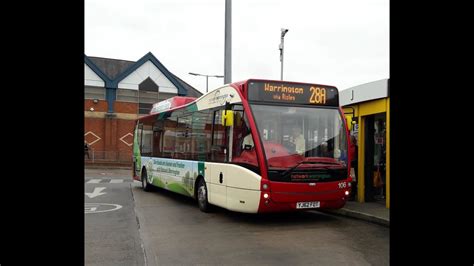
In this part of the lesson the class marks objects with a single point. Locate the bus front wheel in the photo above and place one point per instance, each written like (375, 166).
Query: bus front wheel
(145, 185)
(202, 196)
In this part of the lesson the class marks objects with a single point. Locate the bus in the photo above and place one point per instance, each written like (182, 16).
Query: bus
(253, 146)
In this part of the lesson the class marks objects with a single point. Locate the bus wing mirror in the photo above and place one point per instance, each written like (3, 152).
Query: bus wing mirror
(349, 122)
(227, 118)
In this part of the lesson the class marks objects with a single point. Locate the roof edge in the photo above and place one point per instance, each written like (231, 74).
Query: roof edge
(97, 70)
(150, 57)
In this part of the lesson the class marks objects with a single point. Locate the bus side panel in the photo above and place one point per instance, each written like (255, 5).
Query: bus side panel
(152, 176)
(243, 200)
(240, 177)
(243, 189)
(174, 175)
(234, 187)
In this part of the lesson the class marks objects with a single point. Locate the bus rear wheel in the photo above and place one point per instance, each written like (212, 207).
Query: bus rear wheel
(145, 185)
(202, 196)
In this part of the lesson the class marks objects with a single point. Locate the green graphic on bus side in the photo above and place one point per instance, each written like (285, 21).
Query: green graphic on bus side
(175, 187)
(201, 169)
(191, 108)
(175, 175)
(157, 182)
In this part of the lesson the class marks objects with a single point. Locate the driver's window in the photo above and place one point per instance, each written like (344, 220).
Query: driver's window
(243, 146)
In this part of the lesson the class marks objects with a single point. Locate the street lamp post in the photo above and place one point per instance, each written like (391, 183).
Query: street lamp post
(228, 43)
(207, 78)
(283, 32)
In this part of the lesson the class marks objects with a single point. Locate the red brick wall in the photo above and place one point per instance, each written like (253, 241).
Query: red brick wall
(110, 132)
(96, 126)
(127, 108)
(123, 128)
(115, 134)
(101, 106)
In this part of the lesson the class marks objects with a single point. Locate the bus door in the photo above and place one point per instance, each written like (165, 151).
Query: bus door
(218, 161)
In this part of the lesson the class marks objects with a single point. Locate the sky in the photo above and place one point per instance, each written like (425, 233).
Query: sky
(343, 43)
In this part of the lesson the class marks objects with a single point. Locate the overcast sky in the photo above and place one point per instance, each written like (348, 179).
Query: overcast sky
(338, 42)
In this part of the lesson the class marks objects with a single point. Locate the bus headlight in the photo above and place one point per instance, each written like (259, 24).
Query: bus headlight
(266, 195)
(265, 186)
(347, 193)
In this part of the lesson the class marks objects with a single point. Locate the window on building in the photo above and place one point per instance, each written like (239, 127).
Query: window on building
(147, 95)
(94, 93)
(126, 95)
(164, 96)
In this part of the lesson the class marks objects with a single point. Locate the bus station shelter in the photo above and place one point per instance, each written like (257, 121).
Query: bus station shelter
(367, 108)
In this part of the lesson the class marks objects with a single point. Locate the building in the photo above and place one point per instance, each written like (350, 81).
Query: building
(368, 105)
(116, 93)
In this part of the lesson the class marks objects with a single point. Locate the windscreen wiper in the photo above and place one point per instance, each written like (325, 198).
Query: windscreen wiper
(293, 168)
(284, 174)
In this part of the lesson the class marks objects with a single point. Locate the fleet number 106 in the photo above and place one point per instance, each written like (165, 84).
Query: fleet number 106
(318, 95)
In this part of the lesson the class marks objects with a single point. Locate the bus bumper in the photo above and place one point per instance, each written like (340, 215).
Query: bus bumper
(287, 196)
(272, 206)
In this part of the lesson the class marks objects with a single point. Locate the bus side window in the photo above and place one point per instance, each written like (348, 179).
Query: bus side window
(169, 134)
(201, 128)
(139, 135)
(183, 138)
(157, 138)
(147, 140)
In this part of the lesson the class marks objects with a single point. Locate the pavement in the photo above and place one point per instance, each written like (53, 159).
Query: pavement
(373, 212)
(111, 228)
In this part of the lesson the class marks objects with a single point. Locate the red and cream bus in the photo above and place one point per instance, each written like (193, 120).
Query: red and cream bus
(252, 146)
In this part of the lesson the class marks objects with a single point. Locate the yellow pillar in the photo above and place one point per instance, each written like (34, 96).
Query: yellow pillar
(387, 156)
(361, 161)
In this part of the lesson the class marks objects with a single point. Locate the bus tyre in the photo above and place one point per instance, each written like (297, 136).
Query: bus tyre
(202, 196)
(145, 185)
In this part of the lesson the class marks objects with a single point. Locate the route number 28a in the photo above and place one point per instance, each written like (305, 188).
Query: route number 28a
(318, 95)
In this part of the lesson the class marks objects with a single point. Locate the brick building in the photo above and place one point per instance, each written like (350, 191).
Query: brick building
(116, 93)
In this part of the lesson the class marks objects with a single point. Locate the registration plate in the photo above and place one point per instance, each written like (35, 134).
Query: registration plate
(306, 205)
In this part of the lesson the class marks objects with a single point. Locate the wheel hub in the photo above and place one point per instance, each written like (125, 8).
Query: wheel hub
(202, 194)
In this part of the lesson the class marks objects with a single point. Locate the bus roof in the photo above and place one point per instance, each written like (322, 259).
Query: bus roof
(171, 103)
(178, 102)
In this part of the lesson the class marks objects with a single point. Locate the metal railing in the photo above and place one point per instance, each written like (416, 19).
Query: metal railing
(101, 156)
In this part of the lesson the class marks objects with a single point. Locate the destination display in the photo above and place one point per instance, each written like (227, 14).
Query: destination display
(281, 92)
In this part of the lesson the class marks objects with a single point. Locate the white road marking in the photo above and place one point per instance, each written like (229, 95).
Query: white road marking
(100, 207)
(96, 192)
(93, 181)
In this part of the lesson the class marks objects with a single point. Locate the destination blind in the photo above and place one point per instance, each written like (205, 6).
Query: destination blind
(292, 93)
